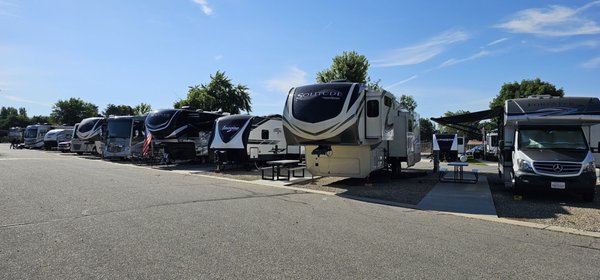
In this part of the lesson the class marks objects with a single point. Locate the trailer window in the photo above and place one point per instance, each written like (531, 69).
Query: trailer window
(373, 108)
(387, 101)
(264, 134)
(460, 140)
(410, 125)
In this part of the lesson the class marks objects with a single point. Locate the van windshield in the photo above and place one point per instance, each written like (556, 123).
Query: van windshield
(552, 138)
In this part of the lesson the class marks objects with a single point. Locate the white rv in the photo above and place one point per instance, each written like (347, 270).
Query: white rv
(491, 145)
(448, 146)
(181, 134)
(239, 139)
(545, 144)
(350, 130)
(87, 136)
(125, 137)
(34, 135)
(15, 134)
(55, 136)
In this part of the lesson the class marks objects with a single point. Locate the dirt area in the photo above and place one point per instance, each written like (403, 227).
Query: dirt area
(558, 208)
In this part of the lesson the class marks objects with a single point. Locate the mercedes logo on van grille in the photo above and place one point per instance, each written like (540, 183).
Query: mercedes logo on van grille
(557, 168)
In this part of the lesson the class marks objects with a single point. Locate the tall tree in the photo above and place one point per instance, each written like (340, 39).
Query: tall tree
(72, 111)
(117, 110)
(142, 109)
(408, 102)
(427, 129)
(219, 94)
(349, 66)
(524, 89)
(23, 112)
(40, 119)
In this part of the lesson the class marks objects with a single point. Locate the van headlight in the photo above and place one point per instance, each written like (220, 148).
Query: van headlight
(590, 167)
(524, 165)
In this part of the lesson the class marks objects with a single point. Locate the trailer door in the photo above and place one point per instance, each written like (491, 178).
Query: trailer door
(373, 120)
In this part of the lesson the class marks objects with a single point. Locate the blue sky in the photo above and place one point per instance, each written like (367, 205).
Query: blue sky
(449, 55)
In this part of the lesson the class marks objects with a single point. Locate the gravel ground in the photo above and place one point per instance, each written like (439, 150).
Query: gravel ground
(551, 208)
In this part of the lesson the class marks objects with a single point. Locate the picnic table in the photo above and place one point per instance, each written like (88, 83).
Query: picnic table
(291, 165)
(458, 176)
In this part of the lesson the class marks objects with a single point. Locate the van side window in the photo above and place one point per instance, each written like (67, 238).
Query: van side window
(373, 108)
(264, 134)
(460, 140)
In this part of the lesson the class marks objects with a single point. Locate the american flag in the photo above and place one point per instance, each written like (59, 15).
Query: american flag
(147, 142)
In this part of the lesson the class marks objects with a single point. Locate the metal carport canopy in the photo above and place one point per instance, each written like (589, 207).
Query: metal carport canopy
(461, 122)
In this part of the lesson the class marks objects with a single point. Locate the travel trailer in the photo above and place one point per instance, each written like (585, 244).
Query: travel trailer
(350, 130)
(34, 135)
(124, 137)
(240, 139)
(87, 136)
(491, 145)
(448, 146)
(55, 136)
(546, 144)
(181, 134)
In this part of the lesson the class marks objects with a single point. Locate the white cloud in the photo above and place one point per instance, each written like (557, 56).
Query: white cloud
(218, 57)
(293, 77)
(554, 21)
(496, 42)
(454, 61)
(421, 52)
(23, 100)
(592, 63)
(390, 87)
(577, 45)
(205, 7)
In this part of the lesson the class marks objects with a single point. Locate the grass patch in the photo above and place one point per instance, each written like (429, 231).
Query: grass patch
(474, 161)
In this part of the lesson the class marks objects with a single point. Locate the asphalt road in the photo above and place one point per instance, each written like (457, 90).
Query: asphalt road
(68, 217)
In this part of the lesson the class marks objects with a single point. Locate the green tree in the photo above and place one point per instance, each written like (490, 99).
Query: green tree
(142, 109)
(10, 116)
(349, 66)
(408, 102)
(524, 89)
(72, 111)
(40, 119)
(117, 110)
(219, 94)
(23, 112)
(427, 129)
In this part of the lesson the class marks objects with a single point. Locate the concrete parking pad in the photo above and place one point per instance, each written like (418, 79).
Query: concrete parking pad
(473, 199)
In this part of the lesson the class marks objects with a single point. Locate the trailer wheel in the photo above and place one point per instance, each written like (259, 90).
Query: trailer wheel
(589, 196)
(94, 151)
(80, 153)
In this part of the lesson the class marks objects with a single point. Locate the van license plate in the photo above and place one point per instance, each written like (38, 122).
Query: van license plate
(557, 185)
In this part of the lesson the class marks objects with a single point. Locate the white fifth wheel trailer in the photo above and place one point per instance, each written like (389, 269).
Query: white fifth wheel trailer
(546, 144)
(240, 139)
(350, 130)
(87, 136)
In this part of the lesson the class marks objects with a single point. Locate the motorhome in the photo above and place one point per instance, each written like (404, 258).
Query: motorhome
(87, 136)
(15, 133)
(34, 135)
(448, 146)
(55, 136)
(546, 144)
(181, 134)
(125, 137)
(350, 130)
(491, 145)
(240, 139)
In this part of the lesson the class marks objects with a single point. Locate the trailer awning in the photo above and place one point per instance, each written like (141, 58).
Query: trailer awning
(463, 122)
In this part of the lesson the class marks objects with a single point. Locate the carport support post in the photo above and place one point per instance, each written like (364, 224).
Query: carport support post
(436, 161)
